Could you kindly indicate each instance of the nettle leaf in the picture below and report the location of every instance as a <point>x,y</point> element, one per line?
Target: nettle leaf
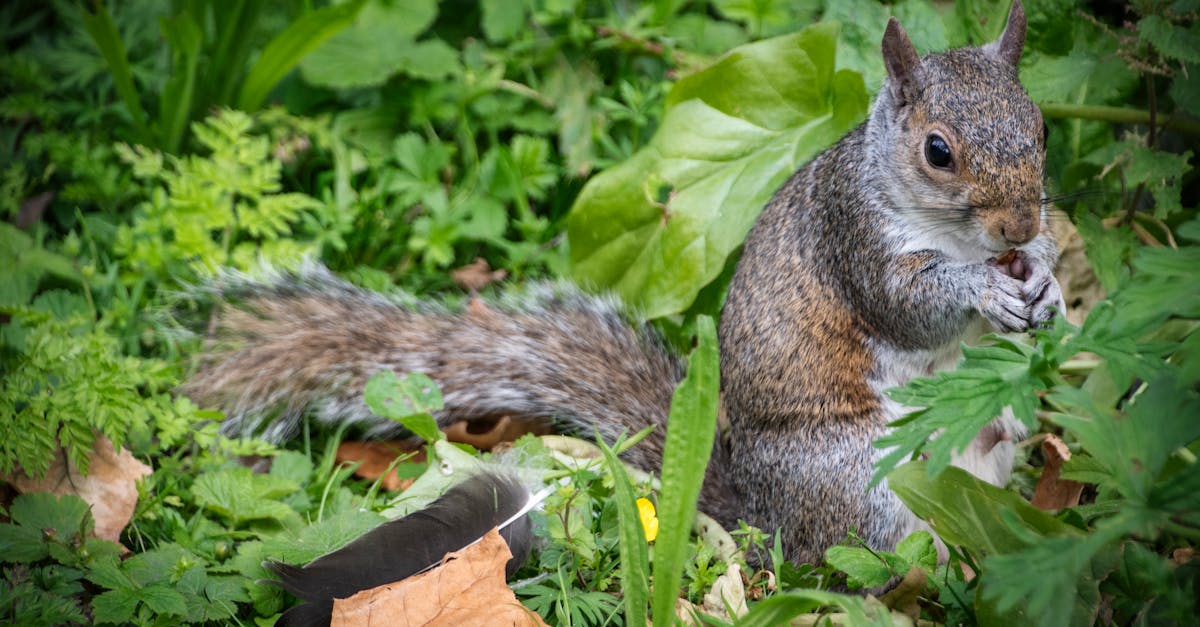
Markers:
<point>408,400</point>
<point>957,404</point>
<point>240,495</point>
<point>865,568</point>
<point>660,226</point>
<point>1172,40</point>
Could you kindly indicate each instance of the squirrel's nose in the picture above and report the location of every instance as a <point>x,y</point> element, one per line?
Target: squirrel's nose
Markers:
<point>1019,230</point>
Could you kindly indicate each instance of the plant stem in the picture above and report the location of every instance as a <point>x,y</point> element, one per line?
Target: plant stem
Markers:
<point>1116,114</point>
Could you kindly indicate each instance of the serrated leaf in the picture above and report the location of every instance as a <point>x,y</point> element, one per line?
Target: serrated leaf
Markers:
<point>114,606</point>
<point>956,405</point>
<point>21,544</point>
<point>863,568</point>
<point>660,226</point>
<point>1173,40</point>
<point>66,516</point>
<point>163,599</point>
<point>918,550</point>
<point>240,495</point>
<point>408,400</point>
<point>292,466</point>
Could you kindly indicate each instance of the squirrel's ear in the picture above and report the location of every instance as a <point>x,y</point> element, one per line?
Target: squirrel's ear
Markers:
<point>1012,41</point>
<point>901,60</point>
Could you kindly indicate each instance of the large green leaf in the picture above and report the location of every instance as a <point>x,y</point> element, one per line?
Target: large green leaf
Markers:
<point>660,226</point>
<point>969,512</point>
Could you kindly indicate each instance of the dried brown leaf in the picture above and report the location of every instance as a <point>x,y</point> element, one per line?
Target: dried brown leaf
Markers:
<point>905,597</point>
<point>1053,493</point>
<point>376,457</point>
<point>477,275</point>
<point>110,486</point>
<point>467,588</point>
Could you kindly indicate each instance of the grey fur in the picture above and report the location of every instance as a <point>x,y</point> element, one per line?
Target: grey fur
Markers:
<point>866,269</point>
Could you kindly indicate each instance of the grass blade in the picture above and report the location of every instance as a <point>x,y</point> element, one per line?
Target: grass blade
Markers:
<point>691,428</point>
<point>287,48</point>
<point>103,32</point>
<point>175,108</point>
<point>635,568</point>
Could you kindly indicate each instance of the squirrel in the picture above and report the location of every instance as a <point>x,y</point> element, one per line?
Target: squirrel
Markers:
<point>869,267</point>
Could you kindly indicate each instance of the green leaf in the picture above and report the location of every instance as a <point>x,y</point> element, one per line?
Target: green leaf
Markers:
<point>502,19</point>
<point>918,550</point>
<point>1053,583</point>
<point>969,512</point>
<point>104,34</point>
<point>175,107</point>
<point>691,428</point>
<point>161,598</point>
<point>958,404</point>
<point>21,544</point>
<point>65,516</point>
<point>286,49</point>
<point>635,570</point>
<point>25,264</point>
<point>292,466</point>
<point>241,495</point>
<point>408,400</point>
<point>1057,79</point>
<point>381,43</point>
<point>1172,40</point>
<point>659,227</point>
<point>782,607</point>
<point>114,606</point>
<point>863,568</point>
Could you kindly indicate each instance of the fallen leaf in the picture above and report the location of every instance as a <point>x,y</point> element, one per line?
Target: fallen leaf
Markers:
<point>376,457</point>
<point>485,433</point>
<point>33,208</point>
<point>467,588</point>
<point>477,275</point>
<point>110,486</point>
<point>728,592</point>
<point>906,595</point>
<point>1052,493</point>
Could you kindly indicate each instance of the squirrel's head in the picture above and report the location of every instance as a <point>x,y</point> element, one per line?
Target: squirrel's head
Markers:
<point>964,139</point>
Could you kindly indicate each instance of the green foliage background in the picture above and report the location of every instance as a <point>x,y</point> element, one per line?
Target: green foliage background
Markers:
<point>145,145</point>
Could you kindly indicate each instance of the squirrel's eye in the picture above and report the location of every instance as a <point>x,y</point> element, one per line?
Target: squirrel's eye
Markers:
<point>937,152</point>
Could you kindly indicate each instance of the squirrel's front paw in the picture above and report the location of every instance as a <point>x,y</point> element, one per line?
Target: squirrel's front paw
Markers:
<point>1002,301</point>
<point>1044,296</point>
<point>1039,289</point>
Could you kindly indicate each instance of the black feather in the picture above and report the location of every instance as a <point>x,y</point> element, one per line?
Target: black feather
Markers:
<point>406,546</point>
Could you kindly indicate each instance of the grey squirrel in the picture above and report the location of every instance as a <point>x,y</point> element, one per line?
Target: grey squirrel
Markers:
<point>868,267</point>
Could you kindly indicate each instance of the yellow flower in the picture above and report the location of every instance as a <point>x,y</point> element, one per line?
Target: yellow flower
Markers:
<point>649,519</point>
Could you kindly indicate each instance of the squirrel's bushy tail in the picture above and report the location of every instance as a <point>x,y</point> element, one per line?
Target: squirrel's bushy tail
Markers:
<point>307,342</point>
